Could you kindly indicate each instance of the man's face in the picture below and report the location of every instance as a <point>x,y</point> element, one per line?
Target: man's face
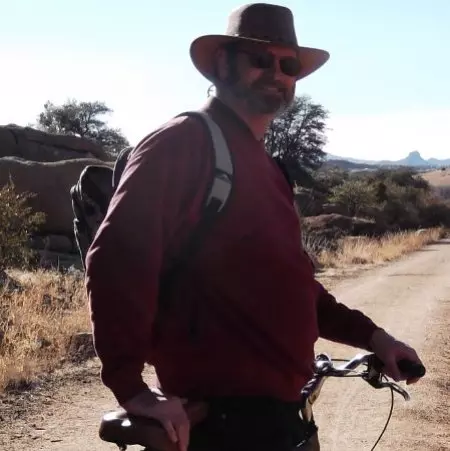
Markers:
<point>264,78</point>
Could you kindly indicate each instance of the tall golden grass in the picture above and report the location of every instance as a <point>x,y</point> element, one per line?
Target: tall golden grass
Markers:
<point>363,250</point>
<point>37,323</point>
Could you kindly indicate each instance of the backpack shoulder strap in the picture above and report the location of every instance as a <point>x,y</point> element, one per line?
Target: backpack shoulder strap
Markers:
<point>222,177</point>
<point>219,188</point>
<point>215,200</point>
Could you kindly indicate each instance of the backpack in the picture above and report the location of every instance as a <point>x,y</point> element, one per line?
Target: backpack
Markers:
<point>96,185</point>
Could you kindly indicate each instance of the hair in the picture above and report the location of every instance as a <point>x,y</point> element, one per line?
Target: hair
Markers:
<point>231,51</point>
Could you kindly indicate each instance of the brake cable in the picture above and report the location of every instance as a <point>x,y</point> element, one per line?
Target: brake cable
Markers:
<point>383,377</point>
<point>389,417</point>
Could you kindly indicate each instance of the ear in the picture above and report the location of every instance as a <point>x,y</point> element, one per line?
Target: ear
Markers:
<point>221,64</point>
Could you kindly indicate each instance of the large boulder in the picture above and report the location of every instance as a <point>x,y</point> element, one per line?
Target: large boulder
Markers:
<point>327,221</point>
<point>35,145</point>
<point>335,225</point>
<point>330,208</point>
<point>51,183</point>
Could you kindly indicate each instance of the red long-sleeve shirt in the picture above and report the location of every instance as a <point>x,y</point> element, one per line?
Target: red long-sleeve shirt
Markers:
<point>258,306</point>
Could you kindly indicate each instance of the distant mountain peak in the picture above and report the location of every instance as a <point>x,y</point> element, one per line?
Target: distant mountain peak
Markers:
<point>414,159</point>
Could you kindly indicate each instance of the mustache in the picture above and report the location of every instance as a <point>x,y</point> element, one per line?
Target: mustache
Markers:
<point>269,84</point>
<point>266,83</point>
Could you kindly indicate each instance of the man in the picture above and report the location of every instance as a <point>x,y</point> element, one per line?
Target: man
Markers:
<point>250,290</point>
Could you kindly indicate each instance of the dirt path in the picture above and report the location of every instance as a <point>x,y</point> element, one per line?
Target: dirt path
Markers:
<point>410,298</point>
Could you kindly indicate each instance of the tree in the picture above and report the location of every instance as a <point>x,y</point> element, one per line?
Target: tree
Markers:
<point>355,195</point>
<point>82,119</point>
<point>297,136</point>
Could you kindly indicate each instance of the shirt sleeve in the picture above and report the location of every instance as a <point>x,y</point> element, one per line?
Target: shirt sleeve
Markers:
<point>339,323</point>
<point>162,184</point>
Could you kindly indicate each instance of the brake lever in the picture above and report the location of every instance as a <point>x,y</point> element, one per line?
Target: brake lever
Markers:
<point>373,375</point>
<point>397,389</point>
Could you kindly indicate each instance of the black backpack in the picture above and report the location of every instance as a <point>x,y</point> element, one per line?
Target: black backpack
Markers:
<point>96,185</point>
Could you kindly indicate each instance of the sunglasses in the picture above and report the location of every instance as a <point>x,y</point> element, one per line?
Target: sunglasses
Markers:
<point>264,60</point>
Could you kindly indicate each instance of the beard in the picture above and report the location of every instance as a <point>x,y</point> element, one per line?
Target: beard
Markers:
<point>264,96</point>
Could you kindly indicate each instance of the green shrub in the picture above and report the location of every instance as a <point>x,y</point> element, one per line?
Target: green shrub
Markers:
<point>17,223</point>
<point>354,194</point>
<point>435,214</point>
<point>330,178</point>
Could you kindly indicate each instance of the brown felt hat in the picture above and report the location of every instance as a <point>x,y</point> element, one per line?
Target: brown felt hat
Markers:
<point>261,23</point>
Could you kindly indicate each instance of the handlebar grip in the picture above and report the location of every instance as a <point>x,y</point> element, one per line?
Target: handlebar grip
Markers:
<point>410,368</point>
<point>407,367</point>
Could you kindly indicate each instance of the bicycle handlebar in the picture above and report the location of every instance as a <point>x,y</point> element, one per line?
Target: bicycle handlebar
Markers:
<point>124,429</point>
<point>324,368</point>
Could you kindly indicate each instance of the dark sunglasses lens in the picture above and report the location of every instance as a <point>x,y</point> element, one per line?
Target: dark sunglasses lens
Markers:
<point>290,66</point>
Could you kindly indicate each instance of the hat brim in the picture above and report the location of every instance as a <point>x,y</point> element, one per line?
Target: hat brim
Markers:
<point>203,49</point>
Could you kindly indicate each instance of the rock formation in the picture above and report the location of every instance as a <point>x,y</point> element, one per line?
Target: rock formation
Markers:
<point>51,183</point>
<point>35,145</point>
<point>48,165</point>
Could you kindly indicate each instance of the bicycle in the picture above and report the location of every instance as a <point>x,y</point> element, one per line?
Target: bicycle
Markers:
<point>125,430</point>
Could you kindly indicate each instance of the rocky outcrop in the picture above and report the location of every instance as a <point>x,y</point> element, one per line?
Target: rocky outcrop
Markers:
<point>335,225</point>
<point>35,145</point>
<point>330,208</point>
<point>47,166</point>
<point>51,182</point>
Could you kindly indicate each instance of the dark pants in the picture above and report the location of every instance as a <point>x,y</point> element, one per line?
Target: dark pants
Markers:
<point>247,424</point>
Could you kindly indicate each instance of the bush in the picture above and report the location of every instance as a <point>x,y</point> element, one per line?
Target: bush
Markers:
<point>443,192</point>
<point>435,214</point>
<point>355,195</point>
<point>401,177</point>
<point>17,223</point>
<point>330,178</point>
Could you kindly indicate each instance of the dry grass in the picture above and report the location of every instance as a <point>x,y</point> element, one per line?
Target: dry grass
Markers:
<point>363,250</point>
<point>437,178</point>
<point>36,324</point>
<point>440,181</point>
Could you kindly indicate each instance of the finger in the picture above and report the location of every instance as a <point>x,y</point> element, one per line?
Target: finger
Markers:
<point>413,380</point>
<point>171,432</point>
<point>182,429</point>
<point>392,370</point>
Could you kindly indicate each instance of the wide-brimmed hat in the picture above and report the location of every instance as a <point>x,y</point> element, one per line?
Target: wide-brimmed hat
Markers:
<point>260,23</point>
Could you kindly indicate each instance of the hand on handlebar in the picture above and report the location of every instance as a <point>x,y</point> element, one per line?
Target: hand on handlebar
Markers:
<point>390,351</point>
<point>169,411</point>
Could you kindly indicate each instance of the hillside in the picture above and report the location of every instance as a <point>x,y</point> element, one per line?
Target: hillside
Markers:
<point>439,179</point>
<point>413,159</point>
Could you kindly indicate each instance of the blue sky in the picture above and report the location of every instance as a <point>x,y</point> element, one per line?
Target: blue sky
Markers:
<point>386,85</point>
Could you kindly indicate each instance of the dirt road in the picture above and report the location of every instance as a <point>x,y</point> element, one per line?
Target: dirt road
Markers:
<point>410,298</point>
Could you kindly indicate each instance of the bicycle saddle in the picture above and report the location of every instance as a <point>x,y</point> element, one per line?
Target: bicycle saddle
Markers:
<point>124,429</point>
